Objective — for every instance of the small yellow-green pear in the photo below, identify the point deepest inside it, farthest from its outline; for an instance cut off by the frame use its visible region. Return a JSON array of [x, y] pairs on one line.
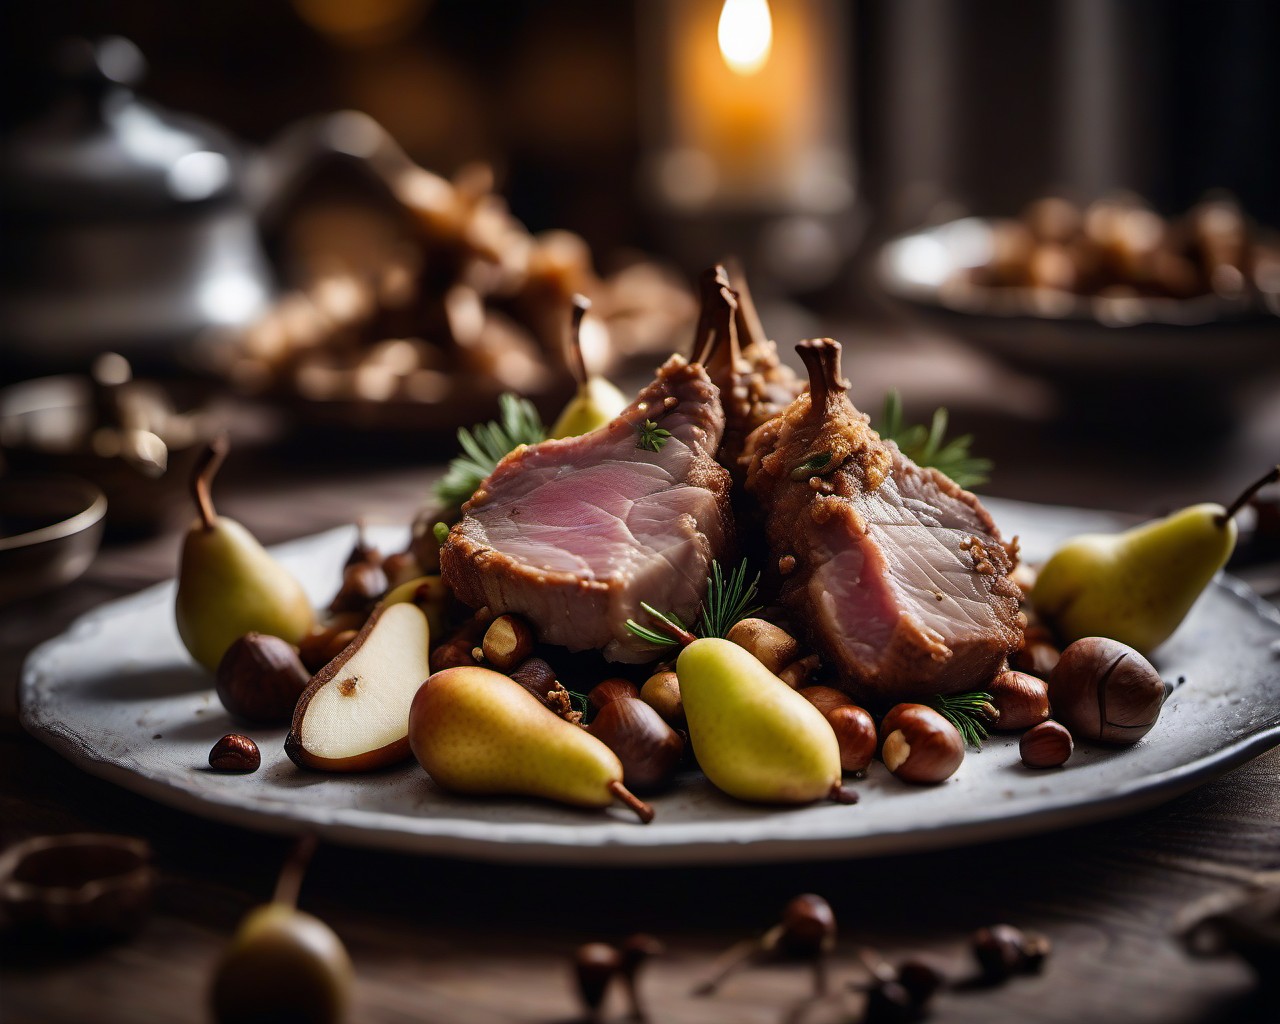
[[228, 585], [477, 731], [597, 402], [755, 737], [1137, 586]]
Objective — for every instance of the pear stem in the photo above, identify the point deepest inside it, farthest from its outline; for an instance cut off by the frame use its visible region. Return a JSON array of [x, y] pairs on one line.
[[840, 795], [643, 811], [1271, 477], [577, 365], [206, 469], [290, 880]]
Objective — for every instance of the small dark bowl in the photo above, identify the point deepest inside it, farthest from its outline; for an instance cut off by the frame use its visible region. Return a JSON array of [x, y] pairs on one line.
[[50, 529], [1092, 349], [78, 884]]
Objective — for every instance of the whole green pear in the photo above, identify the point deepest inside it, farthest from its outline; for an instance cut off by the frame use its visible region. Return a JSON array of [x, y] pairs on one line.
[[597, 402], [1136, 586], [282, 965], [228, 585], [755, 737], [477, 731]]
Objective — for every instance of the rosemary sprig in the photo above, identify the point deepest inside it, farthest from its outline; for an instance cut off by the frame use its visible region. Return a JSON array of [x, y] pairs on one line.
[[968, 712], [652, 436], [484, 446], [729, 600], [925, 445]]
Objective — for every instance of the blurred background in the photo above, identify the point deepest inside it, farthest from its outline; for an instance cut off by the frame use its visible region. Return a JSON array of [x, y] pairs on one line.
[[1055, 219]]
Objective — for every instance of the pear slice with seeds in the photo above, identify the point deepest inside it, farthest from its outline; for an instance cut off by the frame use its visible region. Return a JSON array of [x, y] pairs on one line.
[[354, 714]]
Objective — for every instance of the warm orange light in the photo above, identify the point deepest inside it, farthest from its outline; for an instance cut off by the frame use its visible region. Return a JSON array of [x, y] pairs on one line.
[[745, 34]]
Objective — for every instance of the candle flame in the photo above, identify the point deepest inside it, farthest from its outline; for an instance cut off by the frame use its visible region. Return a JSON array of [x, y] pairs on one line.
[[745, 34]]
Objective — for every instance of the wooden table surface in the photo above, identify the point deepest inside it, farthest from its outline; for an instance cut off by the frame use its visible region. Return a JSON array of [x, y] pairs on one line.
[[440, 940]]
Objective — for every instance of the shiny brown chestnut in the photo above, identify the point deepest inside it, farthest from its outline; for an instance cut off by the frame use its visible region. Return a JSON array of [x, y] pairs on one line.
[[1104, 690], [920, 746], [610, 690], [648, 748], [1021, 699], [260, 679], [1048, 745]]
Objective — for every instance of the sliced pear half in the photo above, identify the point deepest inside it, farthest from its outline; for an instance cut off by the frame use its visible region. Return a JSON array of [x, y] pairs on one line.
[[354, 714]]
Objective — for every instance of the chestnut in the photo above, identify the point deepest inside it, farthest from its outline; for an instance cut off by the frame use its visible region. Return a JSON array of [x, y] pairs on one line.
[[260, 679], [920, 745], [1022, 700], [1048, 745], [648, 748], [825, 698], [661, 691], [609, 691], [1104, 690], [855, 731]]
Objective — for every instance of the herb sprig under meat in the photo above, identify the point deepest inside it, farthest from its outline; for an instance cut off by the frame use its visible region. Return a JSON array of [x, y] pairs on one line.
[[968, 712], [484, 445], [925, 446], [729, 600]]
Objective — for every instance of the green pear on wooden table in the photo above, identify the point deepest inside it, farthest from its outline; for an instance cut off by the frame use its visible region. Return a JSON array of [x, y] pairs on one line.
[[755, 737], [228, 584], [354, 714], [480, 732], [597, 401], [1137, 586]]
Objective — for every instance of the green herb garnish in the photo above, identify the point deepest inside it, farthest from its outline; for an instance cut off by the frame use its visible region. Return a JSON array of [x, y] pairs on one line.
[[811, 465], [925, 447], [484, 445], [441, 532], [729, 600], [652, 436], [968, 712]]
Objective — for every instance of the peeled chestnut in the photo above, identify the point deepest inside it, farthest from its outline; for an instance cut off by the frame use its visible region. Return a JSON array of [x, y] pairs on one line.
[[772, 645], [1021, 699], [661, 691], [648, 748], [920, 745], [260, 679], [1104, 690]]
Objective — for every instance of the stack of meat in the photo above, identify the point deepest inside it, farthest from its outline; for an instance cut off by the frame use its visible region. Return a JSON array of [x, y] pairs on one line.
[[898, 578]]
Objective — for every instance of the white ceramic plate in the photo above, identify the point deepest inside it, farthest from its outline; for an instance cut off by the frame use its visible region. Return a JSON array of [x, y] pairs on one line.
[[118, 696]]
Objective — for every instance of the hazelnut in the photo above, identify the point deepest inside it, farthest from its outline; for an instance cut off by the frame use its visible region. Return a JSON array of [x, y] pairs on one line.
[[1037, 658], [235, 753], [1022, 700], [260, 679], [362, 584], [855, 731], [661, 691], [772, 645], [808, 926], [610, 690], [1048, 745], [1104, 690], [920, 745], [507, 642]]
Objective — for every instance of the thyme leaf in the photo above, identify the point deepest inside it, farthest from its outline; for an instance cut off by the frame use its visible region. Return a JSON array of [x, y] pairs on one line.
[[926, 446], [652, 436], [811, 465], [968, 712], [485, 445]]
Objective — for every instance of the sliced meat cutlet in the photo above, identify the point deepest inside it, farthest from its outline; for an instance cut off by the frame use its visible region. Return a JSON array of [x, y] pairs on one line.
[[573, 534], [899, 575]]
